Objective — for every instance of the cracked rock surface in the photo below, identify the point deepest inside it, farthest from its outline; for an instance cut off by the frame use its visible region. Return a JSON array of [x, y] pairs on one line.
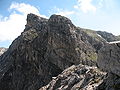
[[43, 50], [80, 77]]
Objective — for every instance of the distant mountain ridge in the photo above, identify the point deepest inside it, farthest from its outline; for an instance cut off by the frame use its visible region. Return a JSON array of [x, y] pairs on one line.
[[108, 36]]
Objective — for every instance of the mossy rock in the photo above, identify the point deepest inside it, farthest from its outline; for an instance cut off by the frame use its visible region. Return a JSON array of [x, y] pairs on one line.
[[92, 56], [30, 35]]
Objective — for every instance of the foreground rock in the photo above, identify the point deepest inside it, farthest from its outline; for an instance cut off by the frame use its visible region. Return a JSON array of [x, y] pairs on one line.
[[79, 77], [44, 50], [2, 50], [109, 60], [84, 77]]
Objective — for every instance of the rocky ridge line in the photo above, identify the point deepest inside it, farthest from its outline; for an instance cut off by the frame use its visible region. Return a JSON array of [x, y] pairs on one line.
[[43, 50]]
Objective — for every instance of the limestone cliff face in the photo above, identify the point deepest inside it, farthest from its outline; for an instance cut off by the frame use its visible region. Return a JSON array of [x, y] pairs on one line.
[[42, 51]]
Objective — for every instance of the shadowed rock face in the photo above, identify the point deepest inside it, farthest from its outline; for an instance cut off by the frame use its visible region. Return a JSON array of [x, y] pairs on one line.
[[42, 51], [109, 60]]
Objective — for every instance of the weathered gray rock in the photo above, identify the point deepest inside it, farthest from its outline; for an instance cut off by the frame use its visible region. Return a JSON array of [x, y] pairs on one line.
[[42, 51], [80, 77], [2, 50], [109, 61], [109, 58]]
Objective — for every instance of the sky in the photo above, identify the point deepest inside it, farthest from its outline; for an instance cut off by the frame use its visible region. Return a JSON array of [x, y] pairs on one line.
[[101, 15]]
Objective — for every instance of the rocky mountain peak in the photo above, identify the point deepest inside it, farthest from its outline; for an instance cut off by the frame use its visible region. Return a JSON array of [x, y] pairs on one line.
[[58, 19], [35, 21], [43, 50], [61, 24]]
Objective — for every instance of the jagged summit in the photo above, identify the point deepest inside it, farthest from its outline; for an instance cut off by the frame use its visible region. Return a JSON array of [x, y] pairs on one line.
[[59, 19], [32, 18], [35, 21], [43, 50]]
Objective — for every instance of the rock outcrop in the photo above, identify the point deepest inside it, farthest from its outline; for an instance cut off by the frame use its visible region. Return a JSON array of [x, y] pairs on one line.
[[84, 77], [109, 61], [44, 50], [80, 77], [2, 50], [109, 58]]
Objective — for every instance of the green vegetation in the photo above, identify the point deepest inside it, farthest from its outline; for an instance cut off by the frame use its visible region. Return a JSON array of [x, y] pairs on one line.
[[93, 34], [92, 56], [30, 35]]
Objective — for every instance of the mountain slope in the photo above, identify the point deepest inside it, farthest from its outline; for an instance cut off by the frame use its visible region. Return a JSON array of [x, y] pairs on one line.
[[43, 50], [108, 36]]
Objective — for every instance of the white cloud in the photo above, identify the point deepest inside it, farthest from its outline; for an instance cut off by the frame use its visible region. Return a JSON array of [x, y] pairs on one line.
[[14, 24], [24, 8], [100, 3], [62, 12], [85, 6], [11, 27]]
